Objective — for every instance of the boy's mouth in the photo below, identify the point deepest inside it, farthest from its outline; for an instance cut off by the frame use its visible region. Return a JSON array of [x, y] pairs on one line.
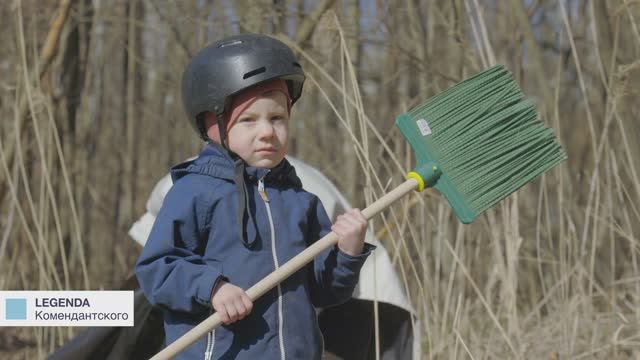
[[267, 150]]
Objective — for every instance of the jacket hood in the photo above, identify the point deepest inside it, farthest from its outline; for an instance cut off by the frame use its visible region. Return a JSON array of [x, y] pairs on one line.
[[212, 161]]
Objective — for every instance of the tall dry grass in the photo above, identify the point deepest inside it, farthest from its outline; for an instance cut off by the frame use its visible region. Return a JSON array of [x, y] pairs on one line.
[[90, 124]]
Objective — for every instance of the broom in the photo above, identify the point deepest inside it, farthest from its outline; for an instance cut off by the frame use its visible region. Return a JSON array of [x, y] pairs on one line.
[[476, 143]]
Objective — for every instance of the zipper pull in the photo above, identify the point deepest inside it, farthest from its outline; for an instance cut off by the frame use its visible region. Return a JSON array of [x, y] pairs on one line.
[[262, 191]]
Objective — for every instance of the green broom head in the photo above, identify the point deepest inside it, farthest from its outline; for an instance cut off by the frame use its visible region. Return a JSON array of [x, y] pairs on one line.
[[479, 141]]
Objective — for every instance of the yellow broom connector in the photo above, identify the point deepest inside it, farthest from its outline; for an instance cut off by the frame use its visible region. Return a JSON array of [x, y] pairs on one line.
[[415, 175], [426, 175]]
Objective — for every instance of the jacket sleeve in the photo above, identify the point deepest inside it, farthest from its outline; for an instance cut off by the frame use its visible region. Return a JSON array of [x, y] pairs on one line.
[[171, 270], [335, 273]]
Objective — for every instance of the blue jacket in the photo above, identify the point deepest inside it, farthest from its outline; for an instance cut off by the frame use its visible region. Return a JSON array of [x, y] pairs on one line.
[[195, 242]]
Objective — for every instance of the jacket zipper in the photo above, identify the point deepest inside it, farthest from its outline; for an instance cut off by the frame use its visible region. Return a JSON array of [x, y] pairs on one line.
[[211, 341], [263, 194]]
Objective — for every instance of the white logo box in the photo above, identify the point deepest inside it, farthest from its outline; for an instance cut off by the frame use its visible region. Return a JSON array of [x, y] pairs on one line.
[[66, 308]]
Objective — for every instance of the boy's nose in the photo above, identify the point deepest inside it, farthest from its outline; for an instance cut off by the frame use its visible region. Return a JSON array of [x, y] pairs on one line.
[[266, 129]]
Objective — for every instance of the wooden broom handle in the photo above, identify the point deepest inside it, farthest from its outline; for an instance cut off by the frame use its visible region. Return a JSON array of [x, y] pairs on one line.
[[283, 272]]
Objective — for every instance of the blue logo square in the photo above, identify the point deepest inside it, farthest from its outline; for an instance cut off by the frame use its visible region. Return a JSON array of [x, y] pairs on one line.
[[16, 309]]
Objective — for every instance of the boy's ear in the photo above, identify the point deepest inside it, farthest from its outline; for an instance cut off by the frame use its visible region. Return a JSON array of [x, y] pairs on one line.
[[210, 119], [210, 123]]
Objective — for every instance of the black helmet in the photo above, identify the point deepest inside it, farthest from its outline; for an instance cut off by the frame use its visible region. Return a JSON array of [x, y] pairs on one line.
[[228, 66]]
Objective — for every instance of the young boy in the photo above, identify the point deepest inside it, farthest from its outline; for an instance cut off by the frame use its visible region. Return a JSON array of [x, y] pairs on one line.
[[237, 212]]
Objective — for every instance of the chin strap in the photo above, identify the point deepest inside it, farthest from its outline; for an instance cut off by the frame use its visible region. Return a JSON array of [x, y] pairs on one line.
[[247, 233], [246, 225]]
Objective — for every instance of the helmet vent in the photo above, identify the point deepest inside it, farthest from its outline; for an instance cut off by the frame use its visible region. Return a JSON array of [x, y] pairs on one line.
[[229, 43], [254, 72], [297, 65]]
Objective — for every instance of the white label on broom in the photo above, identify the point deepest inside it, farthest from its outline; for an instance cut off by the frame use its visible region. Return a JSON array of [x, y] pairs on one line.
[[424, 127]]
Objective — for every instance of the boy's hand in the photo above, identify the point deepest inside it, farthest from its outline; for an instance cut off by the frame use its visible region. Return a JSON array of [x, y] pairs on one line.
[[351, 228], [230, 302]]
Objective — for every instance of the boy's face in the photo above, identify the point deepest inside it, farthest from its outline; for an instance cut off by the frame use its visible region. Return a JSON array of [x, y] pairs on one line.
[[260, 134]]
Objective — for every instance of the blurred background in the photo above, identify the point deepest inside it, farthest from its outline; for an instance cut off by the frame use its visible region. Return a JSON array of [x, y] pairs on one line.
[[91, 118]]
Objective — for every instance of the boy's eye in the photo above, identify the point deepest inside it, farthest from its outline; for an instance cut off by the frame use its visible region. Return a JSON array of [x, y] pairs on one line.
[[245, 119]]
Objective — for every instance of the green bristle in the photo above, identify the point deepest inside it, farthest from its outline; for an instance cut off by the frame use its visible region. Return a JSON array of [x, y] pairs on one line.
[[485, 138]]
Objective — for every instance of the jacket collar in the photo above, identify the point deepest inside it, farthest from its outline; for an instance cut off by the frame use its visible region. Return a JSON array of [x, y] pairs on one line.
[[215, 161]]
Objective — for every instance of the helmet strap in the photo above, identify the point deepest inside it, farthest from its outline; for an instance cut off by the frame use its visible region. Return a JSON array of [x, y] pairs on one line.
[[244, 214], [222, 129]]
